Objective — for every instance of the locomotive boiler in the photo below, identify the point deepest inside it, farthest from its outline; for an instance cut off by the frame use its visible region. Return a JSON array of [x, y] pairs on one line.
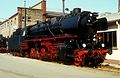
[[71, 39]]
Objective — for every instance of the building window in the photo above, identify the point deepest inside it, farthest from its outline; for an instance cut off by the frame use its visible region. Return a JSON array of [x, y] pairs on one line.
[[29, 19], [114, 38], [11, 22], [110, 37], [23, 18]]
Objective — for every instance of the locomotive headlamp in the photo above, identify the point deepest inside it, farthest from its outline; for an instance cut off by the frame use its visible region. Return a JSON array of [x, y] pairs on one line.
[[91, 15], [88, 20], [94, 39], [103, 45], [84, 45], [71, 40]]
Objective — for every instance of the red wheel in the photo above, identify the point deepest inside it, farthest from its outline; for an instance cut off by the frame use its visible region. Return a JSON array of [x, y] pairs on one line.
[[80, 57], [36, 54], [43, 53], [77, 60], [53, 52], [32, 51]]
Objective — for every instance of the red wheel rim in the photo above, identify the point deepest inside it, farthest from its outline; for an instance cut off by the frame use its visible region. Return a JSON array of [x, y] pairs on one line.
[[53, 52], [36, 53], [77, 60], [32, 51], [43, 52]]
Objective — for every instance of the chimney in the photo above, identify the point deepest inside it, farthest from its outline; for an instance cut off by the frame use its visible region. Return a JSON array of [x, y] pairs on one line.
[[43, 6], [118, 5]]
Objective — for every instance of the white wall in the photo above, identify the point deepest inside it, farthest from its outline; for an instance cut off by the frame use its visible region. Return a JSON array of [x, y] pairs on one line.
[[116, 53]]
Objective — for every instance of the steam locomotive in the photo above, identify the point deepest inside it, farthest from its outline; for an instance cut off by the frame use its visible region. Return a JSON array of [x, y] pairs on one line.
[[70, 39]]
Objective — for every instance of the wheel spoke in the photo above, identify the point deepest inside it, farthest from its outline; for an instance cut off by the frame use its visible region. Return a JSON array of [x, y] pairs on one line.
[[37, 56], [77, 60], [43, 53], [32, 51]]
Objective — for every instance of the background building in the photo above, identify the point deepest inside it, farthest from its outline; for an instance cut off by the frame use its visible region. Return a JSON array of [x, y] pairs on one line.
[[33, 15], [8, 26], [112, 35]]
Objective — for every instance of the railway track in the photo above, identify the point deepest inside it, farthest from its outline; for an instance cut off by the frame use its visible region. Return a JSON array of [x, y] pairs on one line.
[[103, 67], [109, 68]]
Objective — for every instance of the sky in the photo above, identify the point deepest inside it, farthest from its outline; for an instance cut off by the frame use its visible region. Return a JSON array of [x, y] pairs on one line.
[[9, 7]]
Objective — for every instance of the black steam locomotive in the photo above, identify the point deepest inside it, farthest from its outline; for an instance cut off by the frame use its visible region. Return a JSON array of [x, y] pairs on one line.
[[69, 39]]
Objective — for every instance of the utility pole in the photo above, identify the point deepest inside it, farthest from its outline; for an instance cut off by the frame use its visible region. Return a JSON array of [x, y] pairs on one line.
[[63, 6], [118, 5], [25, 15], [24, 32]]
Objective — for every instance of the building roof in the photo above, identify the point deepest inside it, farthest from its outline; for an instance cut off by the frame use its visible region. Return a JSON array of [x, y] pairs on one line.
[[49, 14], [9, 18], [35, 5], [111, 17], [28, 8], [53, 14]]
